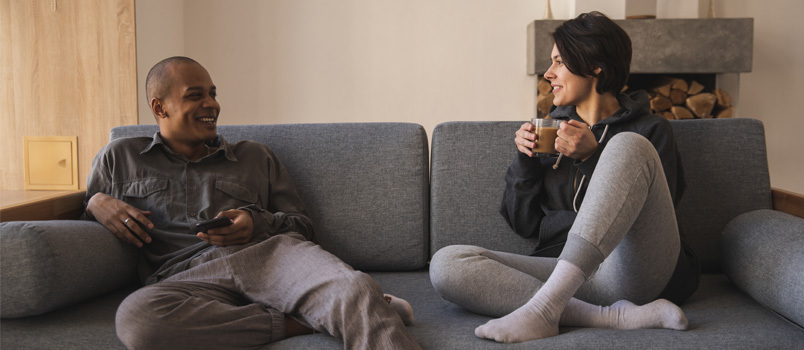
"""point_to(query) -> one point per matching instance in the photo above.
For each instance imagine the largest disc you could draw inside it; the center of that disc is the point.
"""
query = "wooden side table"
(20, 205)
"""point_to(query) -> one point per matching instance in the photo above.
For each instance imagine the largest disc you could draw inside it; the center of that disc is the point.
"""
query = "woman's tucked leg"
(474, 278)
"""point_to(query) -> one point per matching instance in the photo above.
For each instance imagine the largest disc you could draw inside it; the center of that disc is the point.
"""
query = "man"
(256, 281)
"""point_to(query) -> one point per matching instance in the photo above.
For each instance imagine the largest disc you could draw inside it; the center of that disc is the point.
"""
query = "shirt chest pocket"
(151, 195)
(144, 188)
(237, 194)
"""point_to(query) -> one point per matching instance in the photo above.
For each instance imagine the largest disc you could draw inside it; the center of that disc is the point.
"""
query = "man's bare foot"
(401, 307)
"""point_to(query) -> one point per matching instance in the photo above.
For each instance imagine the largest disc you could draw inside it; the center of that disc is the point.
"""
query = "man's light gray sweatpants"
(625, 239)
(236, 297)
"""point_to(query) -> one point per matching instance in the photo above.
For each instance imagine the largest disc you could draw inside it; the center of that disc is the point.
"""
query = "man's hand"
(576, 140)
(120, 218)
(239, 232)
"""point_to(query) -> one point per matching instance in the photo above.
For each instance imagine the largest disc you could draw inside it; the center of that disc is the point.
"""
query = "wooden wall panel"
(68, 68)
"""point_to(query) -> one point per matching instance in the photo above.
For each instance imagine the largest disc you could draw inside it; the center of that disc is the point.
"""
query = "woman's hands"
(525, 139)
(239, 232)
(575, 140)
(121, 218)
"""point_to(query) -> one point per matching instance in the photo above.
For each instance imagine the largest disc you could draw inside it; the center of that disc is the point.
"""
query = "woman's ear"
(597, 71)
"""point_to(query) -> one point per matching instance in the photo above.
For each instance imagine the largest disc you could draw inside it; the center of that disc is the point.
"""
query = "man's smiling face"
(190, 105)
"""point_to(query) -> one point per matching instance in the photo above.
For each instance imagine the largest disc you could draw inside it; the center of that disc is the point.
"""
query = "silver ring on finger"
(125, 222)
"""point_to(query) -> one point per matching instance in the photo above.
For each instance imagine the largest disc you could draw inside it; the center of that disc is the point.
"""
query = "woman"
(606, 211)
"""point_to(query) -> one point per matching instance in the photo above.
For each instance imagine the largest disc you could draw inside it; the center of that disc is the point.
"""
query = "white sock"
(539, 317)
(624, 314)
(401, 307)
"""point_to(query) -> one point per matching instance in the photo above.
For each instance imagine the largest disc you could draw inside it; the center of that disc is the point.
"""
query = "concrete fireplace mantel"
(708, 46)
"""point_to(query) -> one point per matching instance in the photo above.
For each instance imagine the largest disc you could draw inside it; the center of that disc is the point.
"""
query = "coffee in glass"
(546, 133)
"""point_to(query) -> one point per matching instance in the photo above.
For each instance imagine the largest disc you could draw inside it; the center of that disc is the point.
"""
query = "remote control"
(204, 226)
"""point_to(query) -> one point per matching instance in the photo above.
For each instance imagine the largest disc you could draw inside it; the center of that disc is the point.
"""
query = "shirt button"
(192, 215)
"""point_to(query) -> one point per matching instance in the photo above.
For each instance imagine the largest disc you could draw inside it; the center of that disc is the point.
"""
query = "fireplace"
(710, 52)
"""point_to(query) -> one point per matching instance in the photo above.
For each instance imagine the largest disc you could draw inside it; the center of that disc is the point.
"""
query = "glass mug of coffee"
(546, 131)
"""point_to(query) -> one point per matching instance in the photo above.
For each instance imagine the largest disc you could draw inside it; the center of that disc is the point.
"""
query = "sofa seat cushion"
(721, 317)
(763, 253)
(86, 325)
(47, 265)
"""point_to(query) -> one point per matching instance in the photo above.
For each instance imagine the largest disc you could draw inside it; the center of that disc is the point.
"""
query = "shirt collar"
(224, 147)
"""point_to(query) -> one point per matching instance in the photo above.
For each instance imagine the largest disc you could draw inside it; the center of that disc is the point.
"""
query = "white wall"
(425, 61)
(420, 61)
(772, 91)
(160, 34)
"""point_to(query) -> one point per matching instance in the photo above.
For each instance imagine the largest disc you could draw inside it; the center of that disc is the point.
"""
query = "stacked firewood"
(674, 99)
(678, 99)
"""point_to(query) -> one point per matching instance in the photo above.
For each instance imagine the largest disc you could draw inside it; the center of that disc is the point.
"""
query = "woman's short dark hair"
(591, 41)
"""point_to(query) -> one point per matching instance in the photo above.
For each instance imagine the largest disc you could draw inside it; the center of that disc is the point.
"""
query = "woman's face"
(568, 89)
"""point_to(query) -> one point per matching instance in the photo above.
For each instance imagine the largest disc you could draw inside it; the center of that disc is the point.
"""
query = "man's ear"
(597, 71)
(158, 109)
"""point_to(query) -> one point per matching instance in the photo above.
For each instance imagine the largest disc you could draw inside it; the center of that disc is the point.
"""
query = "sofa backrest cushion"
(365, 185)
(726, 171)
(724, 161)
(467, 179)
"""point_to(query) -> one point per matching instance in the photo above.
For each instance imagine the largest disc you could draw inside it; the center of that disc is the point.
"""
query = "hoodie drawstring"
(575, 199)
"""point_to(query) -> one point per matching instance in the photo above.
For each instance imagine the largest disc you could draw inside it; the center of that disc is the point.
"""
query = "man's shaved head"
(159, 80)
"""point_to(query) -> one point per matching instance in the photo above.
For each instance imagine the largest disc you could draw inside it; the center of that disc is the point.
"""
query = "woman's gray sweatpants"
(236, 297)
(625, 239)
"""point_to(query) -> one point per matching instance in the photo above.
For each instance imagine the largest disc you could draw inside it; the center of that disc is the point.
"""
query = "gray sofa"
(384, 204)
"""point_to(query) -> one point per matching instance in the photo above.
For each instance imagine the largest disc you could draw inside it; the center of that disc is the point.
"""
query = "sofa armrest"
(762, 255)
(788, 202)
(46, 265)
